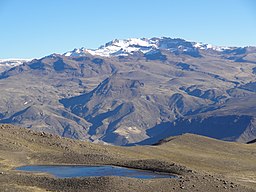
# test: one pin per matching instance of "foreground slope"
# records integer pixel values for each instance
(202, 164)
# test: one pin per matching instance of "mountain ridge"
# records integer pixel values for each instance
(124, 47)
(136, 98)
(6, 64)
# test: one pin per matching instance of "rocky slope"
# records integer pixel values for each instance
(136, 91)
(201, 164)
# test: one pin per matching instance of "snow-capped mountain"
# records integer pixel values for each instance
(165, 87)
(130, 46)
(6, 64)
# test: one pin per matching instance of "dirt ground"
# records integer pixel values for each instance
(201, 164)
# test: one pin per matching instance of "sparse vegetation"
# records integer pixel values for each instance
(202, 164)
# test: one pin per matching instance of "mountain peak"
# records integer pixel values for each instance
(125, 47)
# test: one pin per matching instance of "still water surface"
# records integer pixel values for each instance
(93, 171)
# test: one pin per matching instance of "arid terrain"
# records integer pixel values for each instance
(128, 96)
(201, 164)
(135, 91)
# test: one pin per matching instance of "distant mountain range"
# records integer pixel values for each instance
(6, 64)
(136, 91)
(150, 46)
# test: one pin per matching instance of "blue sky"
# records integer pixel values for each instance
(36, 28)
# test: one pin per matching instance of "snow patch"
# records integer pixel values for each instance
(6, 64)
(125, 47)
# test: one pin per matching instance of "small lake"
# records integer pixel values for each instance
(65, 171)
